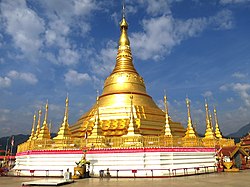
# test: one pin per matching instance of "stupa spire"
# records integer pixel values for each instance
(96, 129)
(217, 129)
(167, 125)
(124, 56)
(131, 126)
(44, 132)
(209, 133)
(38, 124)
(64, 131)
(190, 131)
(32, 135)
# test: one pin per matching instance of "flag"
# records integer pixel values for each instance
(12, 141)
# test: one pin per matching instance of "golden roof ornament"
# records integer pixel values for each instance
(64, 131)
(44, 132)
(209, 133)
(96, 129)
(32, 135)
(190, 131)
(38, 125)
(217, 129)
(167, 130)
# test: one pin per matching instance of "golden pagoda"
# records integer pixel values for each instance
(167, 130)
(117, 117)
(217, 128)
(190, 131)
(38, 125)
(32, 135)
(64, 131)
(44, 132)
(209, 132)
(124, 115)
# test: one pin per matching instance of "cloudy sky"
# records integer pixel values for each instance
(199, 49)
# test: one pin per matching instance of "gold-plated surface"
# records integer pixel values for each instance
(32, 135)
(114, 103)
(217, 129)
(167, 118)
(38, 125)
(44, 132)
(209, 133)
(64, 131)
(120, 142)
(190, 131)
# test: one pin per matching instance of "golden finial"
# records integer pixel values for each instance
(46, 113)
(209, 133)
(65, 119)
(190, 131)
(123, 26)
(167, 127)
(33, 124)
(38, 124)
(64, 131)
(217, 129)
(33, 128)
(188, 107)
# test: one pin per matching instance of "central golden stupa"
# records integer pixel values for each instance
(124, 107)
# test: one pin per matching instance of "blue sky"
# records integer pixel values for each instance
(199, 49)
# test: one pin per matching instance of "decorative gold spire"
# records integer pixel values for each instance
(167, 126)
(44, 132)
(209, 133)
(217, 129)
(131, 127)
(32, 135)
(38, 125)
(96, 129)
(190, 131)
(64, 131)
(124, 56)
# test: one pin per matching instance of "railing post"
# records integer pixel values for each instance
(117, 171)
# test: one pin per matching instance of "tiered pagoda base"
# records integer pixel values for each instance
(121, 162)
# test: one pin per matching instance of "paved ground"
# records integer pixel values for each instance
(224, 179)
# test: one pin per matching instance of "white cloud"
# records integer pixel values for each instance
(242, 89)
(222, 20)
(103, 63)
(159, 7)
(160, 34)
(5, 82)
(72, 77)
(68, 56)
(23, 25)
(27, 77)
(207, 94)
(239, 75)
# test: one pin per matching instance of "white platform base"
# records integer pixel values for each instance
(129, 162)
